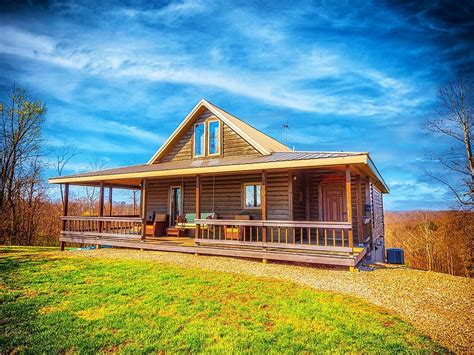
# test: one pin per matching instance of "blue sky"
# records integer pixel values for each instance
(118, 78)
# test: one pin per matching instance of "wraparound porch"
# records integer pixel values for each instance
(297, 194)
(288, 248)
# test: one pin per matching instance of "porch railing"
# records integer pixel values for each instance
(121, 227)
(312, 235)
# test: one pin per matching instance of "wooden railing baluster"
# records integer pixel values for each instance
(249, 232)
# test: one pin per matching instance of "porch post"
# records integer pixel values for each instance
(101, 199)
(110, 201)
(264, 204)
(368, 201)
(349, 204)
(198, 205)
(143, 202)
(307, 206)
(65, 211)
(101, 208)
(360, 225)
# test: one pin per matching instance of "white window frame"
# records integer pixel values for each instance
(244, 200)
(194, 141)
(209, 138)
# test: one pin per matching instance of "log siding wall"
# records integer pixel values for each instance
(377, 212)
(222, 195)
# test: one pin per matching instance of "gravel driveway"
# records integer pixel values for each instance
(438, 305)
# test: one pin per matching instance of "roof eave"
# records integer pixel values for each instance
(376, 172)
(288, 164)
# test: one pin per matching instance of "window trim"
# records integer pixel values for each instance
(219, 148)
(194, 141)
(244, 195)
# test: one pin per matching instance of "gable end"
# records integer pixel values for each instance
(231, 145)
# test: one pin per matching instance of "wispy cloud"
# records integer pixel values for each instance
(169, 13)
(286, 89)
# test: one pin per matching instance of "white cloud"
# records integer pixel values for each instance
(281, 86)
(168, 14)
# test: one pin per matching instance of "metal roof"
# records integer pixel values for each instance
(213, 162)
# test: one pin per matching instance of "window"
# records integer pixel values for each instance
(199, 140)
(252, 195)
(214, 137)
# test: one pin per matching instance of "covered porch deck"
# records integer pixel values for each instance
(284, 244)
(303, 240)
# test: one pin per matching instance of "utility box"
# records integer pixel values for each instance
(395, 256)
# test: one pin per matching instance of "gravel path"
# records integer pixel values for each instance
(438, 305)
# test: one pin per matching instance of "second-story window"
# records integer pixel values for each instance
(214, 138)
(199, 140)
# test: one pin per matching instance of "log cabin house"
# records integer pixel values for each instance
(218, 186)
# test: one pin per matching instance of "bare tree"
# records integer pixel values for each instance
(454, 120)
(63, 156)
(134, 194)
(22, 118)
(92, 192)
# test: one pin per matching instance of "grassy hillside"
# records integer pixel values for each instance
(51, 302)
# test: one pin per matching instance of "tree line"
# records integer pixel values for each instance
(29, 215)
(438, 241)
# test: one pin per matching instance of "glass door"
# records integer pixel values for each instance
(175, 204)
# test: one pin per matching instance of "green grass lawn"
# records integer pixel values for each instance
(52, 303)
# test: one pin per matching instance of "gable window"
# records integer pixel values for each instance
(199, 140)
(214, 137)
(253, 197)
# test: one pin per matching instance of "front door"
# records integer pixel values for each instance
(334, 203)
(175, 204)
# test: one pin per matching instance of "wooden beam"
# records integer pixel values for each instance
(101, 199)
(110, 201)
(101, 208)
(320, 201)
(264, 203)
(349, 204)
(65, 210)
(143, 210)
(198, 205)
(359, 208)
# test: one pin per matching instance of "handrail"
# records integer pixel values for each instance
(107, 226)
(103, 219)
(267, 233)
(274, 223)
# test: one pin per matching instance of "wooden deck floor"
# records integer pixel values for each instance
(187, 245)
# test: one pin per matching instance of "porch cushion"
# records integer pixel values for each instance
(190, 219)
